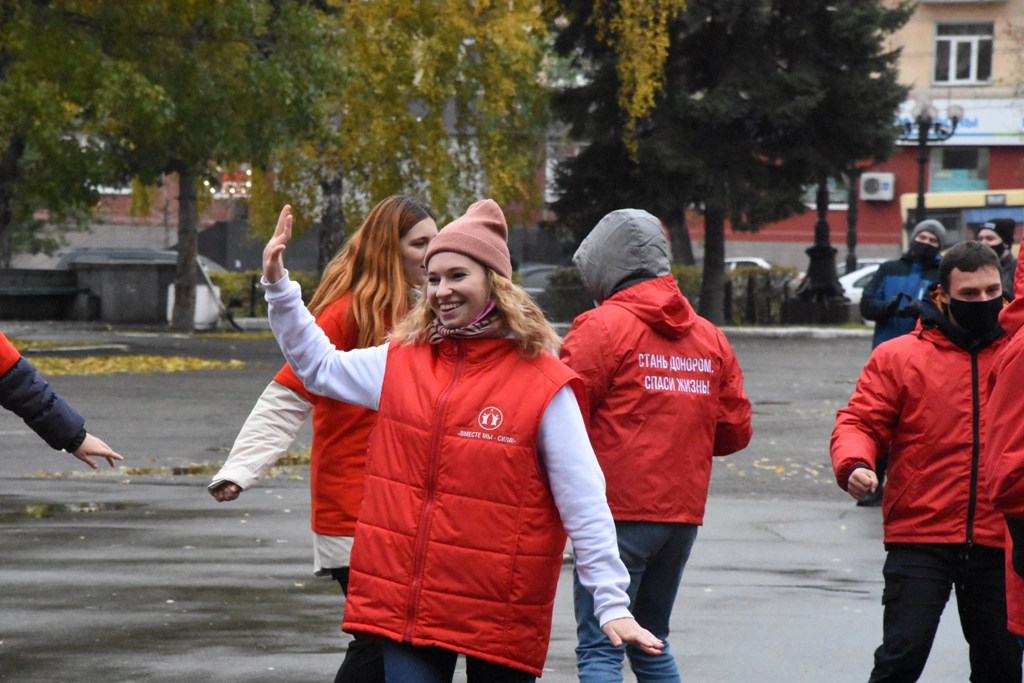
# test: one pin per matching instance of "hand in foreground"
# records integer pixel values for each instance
(626, 630)
(273, 253)
(93, 446)
(226, 491)
(861, 482)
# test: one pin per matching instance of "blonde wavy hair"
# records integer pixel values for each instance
(370, 266)
(523, 317)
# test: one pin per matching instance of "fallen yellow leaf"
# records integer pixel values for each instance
(139, 365)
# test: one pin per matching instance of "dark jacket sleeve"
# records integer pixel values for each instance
(24, 392)
(870, 307)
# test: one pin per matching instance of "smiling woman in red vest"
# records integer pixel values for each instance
(368, 286)
(478, 466)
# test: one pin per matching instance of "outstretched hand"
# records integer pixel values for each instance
(273, 253)
(226, 491)
(95, 447)
(628, 631)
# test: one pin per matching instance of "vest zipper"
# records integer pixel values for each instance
(423, 531)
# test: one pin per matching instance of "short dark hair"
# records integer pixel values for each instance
(968, 256)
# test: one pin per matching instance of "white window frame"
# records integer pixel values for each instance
(974, 43)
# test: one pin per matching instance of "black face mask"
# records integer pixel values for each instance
(924, 252)
(977, 317)
(1000, 249)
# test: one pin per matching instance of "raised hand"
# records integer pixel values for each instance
(273, 253)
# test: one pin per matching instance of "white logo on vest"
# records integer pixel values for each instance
(490, 418)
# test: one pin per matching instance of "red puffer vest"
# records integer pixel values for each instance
(459, 544)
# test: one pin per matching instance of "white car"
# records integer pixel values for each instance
(734, 262)
(855, 282)
(861, 263)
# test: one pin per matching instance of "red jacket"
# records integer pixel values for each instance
(459, 543)
(1003, 457)
(925, 398)
(665, 393)
(340, 433)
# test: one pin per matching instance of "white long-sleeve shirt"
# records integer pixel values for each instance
(577, 484)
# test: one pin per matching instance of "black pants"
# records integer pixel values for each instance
(918, 578)
(364, 660)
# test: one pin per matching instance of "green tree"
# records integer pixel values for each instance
(241, 78)
(443, 101)
(58, 92)
(744, 87)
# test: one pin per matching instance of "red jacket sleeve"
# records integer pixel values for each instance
(1003, 462)
(733, 431)
(583, 352)
(865, 426)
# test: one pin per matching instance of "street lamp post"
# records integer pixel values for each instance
(925, 129)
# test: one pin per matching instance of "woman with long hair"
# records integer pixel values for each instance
(478, 466)
(367, 287)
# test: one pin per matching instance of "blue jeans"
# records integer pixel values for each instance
(655, 555)
(406, 663)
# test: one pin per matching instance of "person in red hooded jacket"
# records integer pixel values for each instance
(666, 395)
(1002, 464)
(925, 396)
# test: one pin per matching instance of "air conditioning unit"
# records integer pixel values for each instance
(877, 187)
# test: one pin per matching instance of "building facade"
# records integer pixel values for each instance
(965, 53)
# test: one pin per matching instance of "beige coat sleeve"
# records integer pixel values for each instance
(269, 430)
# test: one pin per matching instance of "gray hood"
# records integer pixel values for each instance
(626, 247)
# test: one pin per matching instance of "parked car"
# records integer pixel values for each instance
(734, 262)
(861, 263)
(534, 277)
(855, 282)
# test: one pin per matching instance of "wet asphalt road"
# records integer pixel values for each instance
(142, 576)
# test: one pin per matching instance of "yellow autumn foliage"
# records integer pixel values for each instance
(137, 364)
(639, 33)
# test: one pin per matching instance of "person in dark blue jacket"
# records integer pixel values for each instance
(24, 392)
(893, 300)
(893, 296)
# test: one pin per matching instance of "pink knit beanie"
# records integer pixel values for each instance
(481, 234)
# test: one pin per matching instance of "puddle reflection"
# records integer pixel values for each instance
(53, 510)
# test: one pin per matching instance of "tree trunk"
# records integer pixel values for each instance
(332, 222)
(10, 161)
(184, 313)
(679, 234)
(712, 284)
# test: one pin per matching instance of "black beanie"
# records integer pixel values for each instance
(1004, 227)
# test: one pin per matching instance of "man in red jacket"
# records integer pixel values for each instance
(1002, 463)
(666, 395)
(924, 395)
